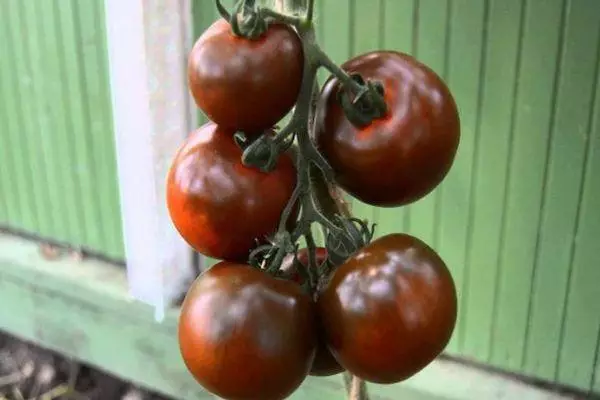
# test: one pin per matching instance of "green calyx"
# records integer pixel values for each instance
(246, 20)
(366, 105)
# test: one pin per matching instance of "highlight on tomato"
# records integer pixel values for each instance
(246, 335)
(217, 204)
(389, 310)
(402, 156)
(246, 84)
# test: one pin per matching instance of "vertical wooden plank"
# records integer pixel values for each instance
(9, 194)
(75, 104)
(562, 188)
(90, 22)
(114, 241)
(431, 49)
(5, 165)
(581, 320)
(336, 36)
(71, 101)
(145, 43)
(365, 17)
(67, 206)
(396, 22)
(494, 131)
(534, 119)
(19, 196)
(5, 157)
(522, 208)
(42, 119)
(25, 131)
(93, 114)
(39, 139)
(467, 47)
(596, 376)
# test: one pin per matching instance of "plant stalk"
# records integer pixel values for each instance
(315, 183)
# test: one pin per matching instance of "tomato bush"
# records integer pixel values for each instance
(401, 157)
(218, 205)
(325, 364)
(390, 309)
(246, 335)
(246, 84)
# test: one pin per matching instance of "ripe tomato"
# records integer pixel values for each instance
(390, 309)
(246, 335)
(401, 157)
(287, 266)
(325, 364)
(218, 205)
(246, 84)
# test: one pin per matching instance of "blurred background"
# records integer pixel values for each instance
(93, 104)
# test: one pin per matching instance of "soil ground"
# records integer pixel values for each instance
(28, 372)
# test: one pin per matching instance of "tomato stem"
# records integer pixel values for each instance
(310, 10)
(343, 76)
(222, 10)
(315, 175)
(312, 257)
(278, 17)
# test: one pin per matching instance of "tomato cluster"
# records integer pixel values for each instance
(382, 313)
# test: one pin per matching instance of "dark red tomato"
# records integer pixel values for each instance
(403, 156)
(218, 205)
(325, 364)
(389, 310)
(245, 335)
(246, 84)
(287, 266)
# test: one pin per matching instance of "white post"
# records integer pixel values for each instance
(148, 42)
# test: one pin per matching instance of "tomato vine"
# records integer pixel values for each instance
(385, 129)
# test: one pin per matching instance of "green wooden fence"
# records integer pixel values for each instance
(57, 156)
(518, 219)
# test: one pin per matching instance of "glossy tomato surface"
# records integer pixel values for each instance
(389, 310)
(403, 156)
(325, 364)
(245, 335)
(245, 84)
(218, 205)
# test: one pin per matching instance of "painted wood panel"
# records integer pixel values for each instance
(518, 217)
(57, 169)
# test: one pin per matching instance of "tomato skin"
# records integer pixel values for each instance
(245, 84)
(245, 335)
(403, 156)
(390, 309)
(325, 364)
(218, 205)
(287, 264)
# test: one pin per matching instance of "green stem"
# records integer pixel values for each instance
(312, 258)
(279, 17)
(311, 165)
(343, 76)
(310, 10)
